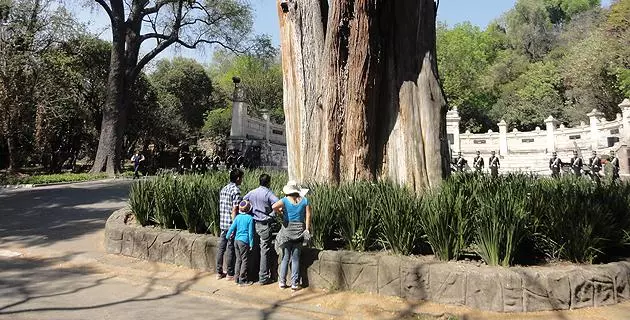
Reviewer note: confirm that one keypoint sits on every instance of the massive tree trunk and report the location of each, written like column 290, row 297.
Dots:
column 362, row 97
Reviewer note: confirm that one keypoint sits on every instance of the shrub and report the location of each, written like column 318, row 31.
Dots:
column 398, row 211
column 504, row 220
column 166, row 198
column 500, row 222
column 445, row 221
column 141, row 200
column 357, row 215
column 324, row 218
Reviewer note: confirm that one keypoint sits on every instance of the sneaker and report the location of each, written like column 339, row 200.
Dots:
column 295, row 287
column 282, row 285
column 220, row 276
column 265, row 282
column 229, row 278
column 245, row 283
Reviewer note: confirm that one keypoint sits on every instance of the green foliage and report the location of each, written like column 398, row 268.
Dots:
column 189, row 201
column 446, row 217
column 400, row 230
column 324, row 220
column 511, row 219
column 50, row 178
column 141, row 201
column 501, row 221
column 541, row 58
column 183, row 84
column 261, row 77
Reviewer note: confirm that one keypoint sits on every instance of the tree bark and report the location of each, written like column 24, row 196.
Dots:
column 112, row 126
column 362, row 96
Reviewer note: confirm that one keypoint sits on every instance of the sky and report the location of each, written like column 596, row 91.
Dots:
column 479, row 12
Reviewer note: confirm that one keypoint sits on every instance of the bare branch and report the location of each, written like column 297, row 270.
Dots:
column 107, row 9
column 154, row 9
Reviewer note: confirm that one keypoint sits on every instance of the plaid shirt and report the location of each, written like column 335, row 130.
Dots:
column 229, row 198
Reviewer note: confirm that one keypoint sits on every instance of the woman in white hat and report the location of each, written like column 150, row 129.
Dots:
column 296, row 212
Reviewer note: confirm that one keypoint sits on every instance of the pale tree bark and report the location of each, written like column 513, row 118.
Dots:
column 362, row 96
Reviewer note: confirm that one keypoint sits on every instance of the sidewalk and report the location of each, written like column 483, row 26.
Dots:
column 272, row 302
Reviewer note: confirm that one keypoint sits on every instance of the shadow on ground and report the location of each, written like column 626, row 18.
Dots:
column 45, row 216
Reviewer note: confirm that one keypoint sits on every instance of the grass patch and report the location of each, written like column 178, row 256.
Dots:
column 50, row 178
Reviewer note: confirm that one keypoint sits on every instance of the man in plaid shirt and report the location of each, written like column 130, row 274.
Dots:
column 229, row 199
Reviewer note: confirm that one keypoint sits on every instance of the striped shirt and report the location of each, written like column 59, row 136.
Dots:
column 229, row 197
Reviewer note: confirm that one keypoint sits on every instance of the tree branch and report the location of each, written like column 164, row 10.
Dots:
column 107, row 9
column 154, row 9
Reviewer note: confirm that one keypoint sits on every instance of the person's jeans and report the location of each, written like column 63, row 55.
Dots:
column 224, row 244
column 292, row 251
column 263, row 230
column 242, row 255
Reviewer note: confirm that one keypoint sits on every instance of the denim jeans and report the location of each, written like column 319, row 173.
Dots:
column 223, row 245
column 292, row 251
column 263, row 231
column 242, row 255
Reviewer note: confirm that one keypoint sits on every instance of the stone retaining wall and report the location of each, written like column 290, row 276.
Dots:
column 482, row 287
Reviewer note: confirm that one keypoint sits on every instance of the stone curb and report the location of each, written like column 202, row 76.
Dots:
column 517, row 289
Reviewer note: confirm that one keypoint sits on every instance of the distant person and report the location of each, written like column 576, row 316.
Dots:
column 494, row 164
column 554, row 165
column 137, row 161
column 576, row 164
column 614, row 162
column 460, row 164
column 262, row 199
column 229, row 199
column 243, row 231
column 478, row 163
column 296, row 214
column 595, row 165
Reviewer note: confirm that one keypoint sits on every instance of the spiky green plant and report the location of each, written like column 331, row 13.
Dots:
column 398, row 211
column 501, row 223
column 142, row 202
column 356, row 215
column 445, row 221
column 166, row 197
column 323, row 200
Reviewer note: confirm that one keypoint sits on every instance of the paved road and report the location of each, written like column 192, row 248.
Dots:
column 59, row 232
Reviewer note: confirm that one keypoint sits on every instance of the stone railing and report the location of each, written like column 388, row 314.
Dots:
column 487, row 288
column 598, row 134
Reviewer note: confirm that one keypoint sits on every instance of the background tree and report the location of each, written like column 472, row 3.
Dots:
column 185, row 84
column 186, row 23
column 362, row 98
column 260, row 71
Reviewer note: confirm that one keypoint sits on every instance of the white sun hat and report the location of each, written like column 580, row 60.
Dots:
column 292, row 187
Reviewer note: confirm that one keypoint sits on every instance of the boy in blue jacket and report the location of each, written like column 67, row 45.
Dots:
column 243, row 226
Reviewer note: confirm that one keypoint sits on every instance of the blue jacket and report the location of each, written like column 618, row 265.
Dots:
column 244, row 226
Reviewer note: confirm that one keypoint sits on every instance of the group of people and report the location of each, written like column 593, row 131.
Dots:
column 577, row 167
column 245, row 222
column 478, row 163
column 197, row 163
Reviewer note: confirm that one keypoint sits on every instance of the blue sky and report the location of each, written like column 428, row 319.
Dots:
column 479, row 12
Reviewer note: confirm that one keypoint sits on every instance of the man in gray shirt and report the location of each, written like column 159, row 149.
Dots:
column 262, row 198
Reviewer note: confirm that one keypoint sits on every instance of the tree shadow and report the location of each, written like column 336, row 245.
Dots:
column 43, row 217
column 30, row 280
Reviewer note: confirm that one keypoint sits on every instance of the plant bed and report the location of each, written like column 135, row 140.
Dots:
column 515, row 289
column 512, row 220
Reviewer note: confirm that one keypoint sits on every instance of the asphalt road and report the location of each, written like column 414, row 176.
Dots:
column 50, row 253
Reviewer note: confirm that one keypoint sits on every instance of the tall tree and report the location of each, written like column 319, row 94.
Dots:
column 186, row 23
column 362, row 97
column 189, row 87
